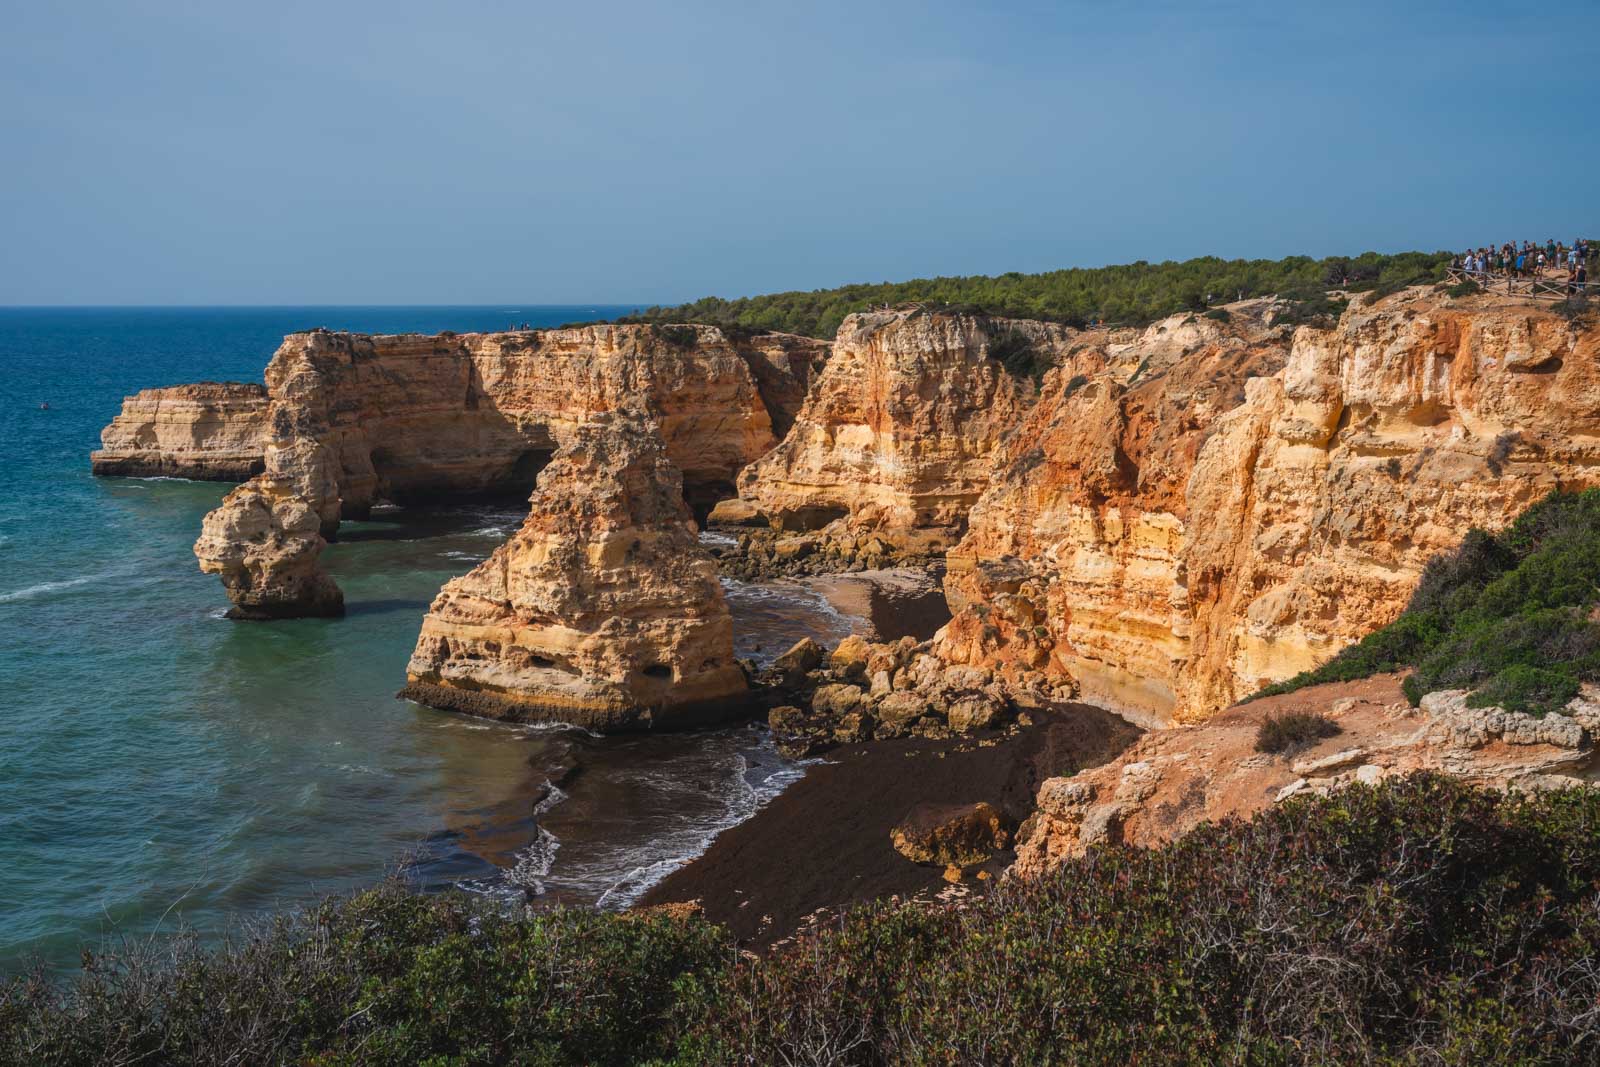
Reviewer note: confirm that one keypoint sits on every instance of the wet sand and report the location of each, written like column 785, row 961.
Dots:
column 824, row 842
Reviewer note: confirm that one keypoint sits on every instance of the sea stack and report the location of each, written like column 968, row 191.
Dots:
column 602, row 610
column 209, row 431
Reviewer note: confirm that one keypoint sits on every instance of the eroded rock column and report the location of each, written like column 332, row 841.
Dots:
column 602, row 610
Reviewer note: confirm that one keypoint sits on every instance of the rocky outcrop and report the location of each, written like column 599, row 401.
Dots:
column 892, row 445
column 1170, row 781
column 212, row 431
column 601, row 610
column 944, row 835
column 354, row 419
column 1218, row 507
column 868, row 691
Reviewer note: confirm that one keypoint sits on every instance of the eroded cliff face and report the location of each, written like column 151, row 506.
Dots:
column 602, row 610
column 354, row 419
column 1245, row 506
column 211, row 431
column 894, row 438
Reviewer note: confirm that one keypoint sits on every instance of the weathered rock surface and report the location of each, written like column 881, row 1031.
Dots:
column 354, row 419
column 951, row 834
column 601, row 610
column 892, row 445
column 880, row 691
column 1218, row 508
column 1171, row 780
column 211, row 431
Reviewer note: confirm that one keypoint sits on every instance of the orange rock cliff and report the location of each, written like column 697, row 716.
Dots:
column 354, row 419
column 1247, row 502
column 602, row 609
column 210, row 431
column 1169, row 519
column 895, row 436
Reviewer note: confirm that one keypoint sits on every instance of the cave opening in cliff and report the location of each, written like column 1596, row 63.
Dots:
column 703, row 495
column 525, row 470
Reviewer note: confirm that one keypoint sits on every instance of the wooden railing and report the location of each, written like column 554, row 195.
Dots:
column 1552, row 286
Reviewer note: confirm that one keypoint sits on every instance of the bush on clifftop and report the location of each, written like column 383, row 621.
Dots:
column 1420, row 922
column 1131, row 294
column 1506, row 615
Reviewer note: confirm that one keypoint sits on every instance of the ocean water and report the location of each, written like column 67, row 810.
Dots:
column 161, row 766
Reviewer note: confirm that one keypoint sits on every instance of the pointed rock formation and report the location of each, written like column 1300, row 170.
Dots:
column 354, row 419
column 602, row 610
column 209, row 431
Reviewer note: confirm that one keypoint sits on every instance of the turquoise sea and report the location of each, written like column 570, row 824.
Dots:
column 164, row 768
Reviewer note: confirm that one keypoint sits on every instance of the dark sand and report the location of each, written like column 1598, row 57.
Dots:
column 824, row 841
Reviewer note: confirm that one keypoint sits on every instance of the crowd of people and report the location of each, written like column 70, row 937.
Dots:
column 1530, row 261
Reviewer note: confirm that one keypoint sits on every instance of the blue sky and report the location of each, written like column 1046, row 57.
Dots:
column 485, row 152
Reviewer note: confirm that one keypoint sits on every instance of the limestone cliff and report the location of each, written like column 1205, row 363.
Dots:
column 1241, row 506
column 895, row 435
column 601, row 610
column 213, row 431
column 354, row 419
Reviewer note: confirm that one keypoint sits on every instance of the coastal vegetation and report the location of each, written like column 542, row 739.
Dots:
column 1293, row 729
column 1129, row 294
column 1418, row 922
column 1507, row 615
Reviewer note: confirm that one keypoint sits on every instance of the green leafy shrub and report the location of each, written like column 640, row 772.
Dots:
column 1220, row 314
column 1019, row 355
column 678, row 336
column 1464, row 288
column 1506, row 615
column 1129, row 294
column 1292, row 729
column 1419, row 922
column 386, row 976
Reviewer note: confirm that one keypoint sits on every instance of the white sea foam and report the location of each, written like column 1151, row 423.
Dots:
column 45, row 588
column 743, row 799
column 534, row 862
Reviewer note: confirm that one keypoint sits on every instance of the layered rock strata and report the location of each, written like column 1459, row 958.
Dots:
column 354, row 419
column 211, row 431
column 1170, row 781
column 892, row 445
column 1241, row 506
column 602, row 610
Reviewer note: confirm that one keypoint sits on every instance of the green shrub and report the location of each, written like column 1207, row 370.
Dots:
column 1507, row 615
column 1293, row 729
column 676, row 335
column 1128, row 294
column 1419, row 922
column 1464, row 288
column 1220, row 314
column 1019, row 355
column 387, row 976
